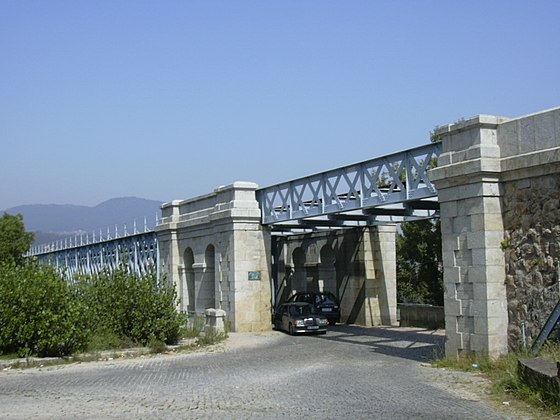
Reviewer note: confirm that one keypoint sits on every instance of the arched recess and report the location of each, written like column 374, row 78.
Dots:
column 207, row 288
column 281, row 272
column 188, row 295
column 327, row 270
column 299, row 283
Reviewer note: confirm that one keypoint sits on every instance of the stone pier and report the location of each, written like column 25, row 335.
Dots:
column 217, row 253
column 481, row 157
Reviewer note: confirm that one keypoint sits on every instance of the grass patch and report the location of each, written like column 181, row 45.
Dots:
column 156, row 346
column 193, row 326
column 507, row 383
column 211, row 336
column 9, row 356
column 105, row 339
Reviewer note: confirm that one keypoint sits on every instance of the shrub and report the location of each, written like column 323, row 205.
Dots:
column 135, row 309
column 42, row 314
column 38, row 312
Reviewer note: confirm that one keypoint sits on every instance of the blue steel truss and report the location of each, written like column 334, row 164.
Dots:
column 382, row 182
column 139, row 253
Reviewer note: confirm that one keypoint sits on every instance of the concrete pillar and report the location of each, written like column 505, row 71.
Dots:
column 368, row 280
column 380, row 275
column 170, row 257
column 469, row 191
column 383, row 285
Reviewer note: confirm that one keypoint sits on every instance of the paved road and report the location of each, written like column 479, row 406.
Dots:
column 351, row 372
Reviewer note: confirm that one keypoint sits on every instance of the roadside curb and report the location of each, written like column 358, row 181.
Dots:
column 105, row 355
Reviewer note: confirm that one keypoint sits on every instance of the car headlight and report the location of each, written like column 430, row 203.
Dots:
column 299, row 323
column 323, row 321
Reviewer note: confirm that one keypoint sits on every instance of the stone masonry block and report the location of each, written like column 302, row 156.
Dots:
column 461, row 224
column 508, row 138
column 491, row 222
column 494, row 324
column 550, row 156
column 484, row 239
column 448, row 258
column 526, row 135
column 452, row 194
column 495, row 291
column 469, row 206
column 489, row 344
column 484, row 274
column 490, row 256
column 464, row 291
column 492, row 205
column 446, row 225
column 453, row 307
column 465, row 324
column 453, row 338
column 478, row 344
column 448, row 209
column 496, row 345
column 450, row 243
column 483, row 151
column 452, row 275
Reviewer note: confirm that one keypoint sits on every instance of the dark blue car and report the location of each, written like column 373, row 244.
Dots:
column 325, row 302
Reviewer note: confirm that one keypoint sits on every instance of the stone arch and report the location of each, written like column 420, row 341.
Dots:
column 327, row 270
column 206, row 296
column 188, row 285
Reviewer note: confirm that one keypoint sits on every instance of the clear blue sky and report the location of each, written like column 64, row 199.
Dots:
column 170, row 99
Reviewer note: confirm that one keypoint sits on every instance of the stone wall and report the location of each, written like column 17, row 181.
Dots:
column 532, row 253
column 423, row 316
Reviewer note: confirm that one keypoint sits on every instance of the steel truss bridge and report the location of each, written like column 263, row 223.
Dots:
column 388, row 189
column 392, row 188
column 137, row 252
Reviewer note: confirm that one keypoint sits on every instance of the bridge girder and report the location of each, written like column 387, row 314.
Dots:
column 392, row 188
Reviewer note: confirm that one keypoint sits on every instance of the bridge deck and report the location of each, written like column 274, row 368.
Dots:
column 387, row 188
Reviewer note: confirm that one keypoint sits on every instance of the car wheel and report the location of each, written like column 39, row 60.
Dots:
column 291, row 329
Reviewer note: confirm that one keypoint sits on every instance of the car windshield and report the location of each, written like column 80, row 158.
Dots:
column 326, row 298
column 298, row 310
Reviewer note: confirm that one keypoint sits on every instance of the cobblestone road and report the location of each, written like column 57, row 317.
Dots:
column 351, row 372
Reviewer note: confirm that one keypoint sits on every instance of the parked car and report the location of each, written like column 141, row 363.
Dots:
column 325, row 302
column 299, row 317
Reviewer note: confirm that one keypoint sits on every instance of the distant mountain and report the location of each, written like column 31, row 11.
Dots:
column 53, row 221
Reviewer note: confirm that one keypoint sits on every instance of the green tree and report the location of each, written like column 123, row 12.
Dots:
column 14, row 240
column 419, row 263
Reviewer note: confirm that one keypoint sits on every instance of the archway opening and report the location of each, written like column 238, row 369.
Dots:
column 188, row 289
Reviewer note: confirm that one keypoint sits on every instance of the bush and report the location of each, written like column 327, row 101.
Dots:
column 135, row 309
column 42, row 314
column 38, row 312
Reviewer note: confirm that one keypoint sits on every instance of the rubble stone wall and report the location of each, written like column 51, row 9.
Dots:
column 532, row 253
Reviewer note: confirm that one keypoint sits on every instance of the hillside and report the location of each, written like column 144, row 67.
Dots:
column 52, row 221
